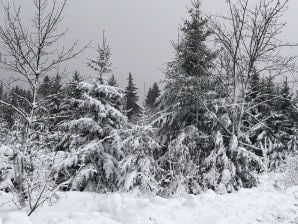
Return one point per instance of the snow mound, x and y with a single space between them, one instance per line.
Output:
16 218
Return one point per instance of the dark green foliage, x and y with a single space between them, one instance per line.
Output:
131 98
193 55
152 95
52 92
45 87
50 86
112 81
72 90
77 77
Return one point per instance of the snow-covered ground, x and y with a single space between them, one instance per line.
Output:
266 204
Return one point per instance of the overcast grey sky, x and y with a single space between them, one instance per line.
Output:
138 31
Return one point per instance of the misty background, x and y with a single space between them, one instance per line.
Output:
139 33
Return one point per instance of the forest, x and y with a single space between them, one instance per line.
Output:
225 113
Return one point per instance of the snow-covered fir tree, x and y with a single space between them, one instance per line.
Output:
92 131
194 96
188 77
188 85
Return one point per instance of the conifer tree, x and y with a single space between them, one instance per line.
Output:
72 90
183 119
152 95
270 120
138 168
149 98
112 81
131 98
91 133
57 93
77 77
56 84
188 78
102 63
45 87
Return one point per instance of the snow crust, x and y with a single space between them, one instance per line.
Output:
269 203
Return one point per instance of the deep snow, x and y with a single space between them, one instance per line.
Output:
268 203
16 217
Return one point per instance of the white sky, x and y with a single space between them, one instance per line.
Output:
138 31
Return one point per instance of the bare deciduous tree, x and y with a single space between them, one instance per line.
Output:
250 42
30 53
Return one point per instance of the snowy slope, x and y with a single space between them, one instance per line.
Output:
265 204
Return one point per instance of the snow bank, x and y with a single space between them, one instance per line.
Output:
265 204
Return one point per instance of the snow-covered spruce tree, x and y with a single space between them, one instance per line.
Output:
188 77
138 168
186 122
91 134
223 100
